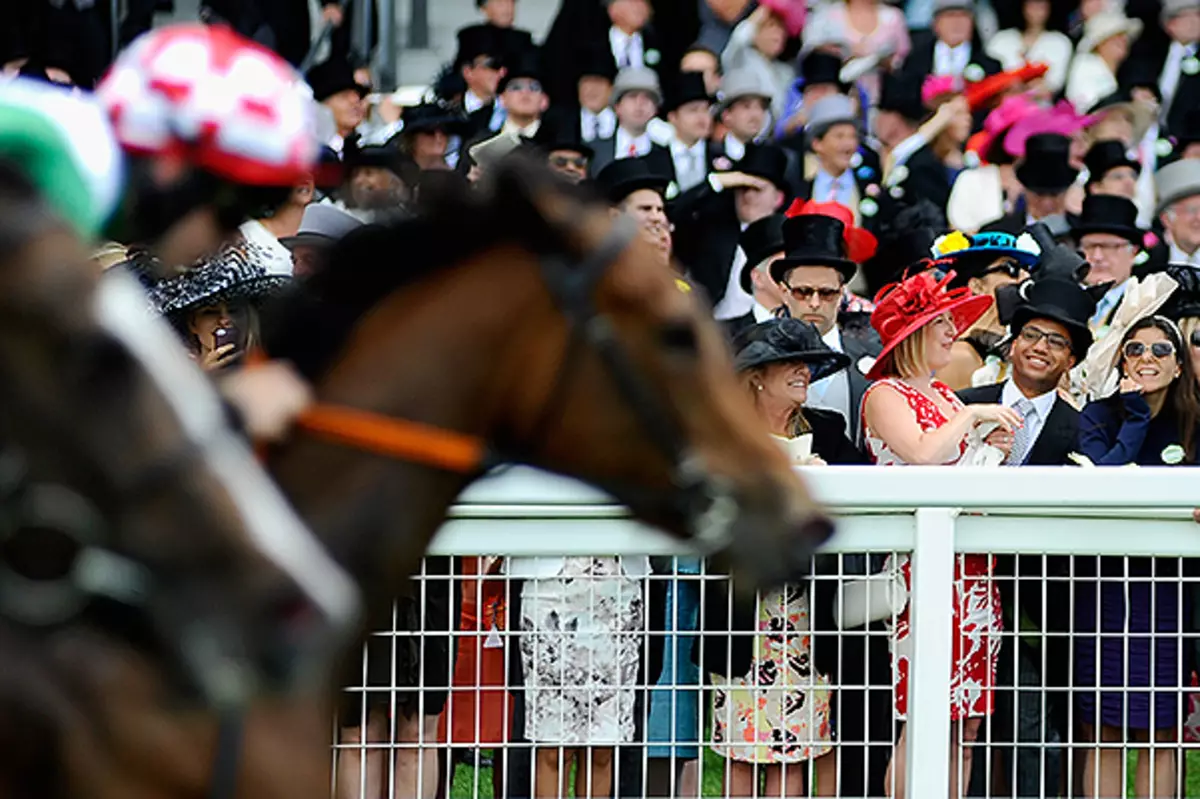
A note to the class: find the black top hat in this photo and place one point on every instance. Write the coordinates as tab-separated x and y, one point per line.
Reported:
689	87
527	64
477	40
560	132
1190	132
1105	213
759	241
597	62
1046	167
786	340
625	176
435	116
819	67
1061	301
383	156
902	95
813	240
1184	301
766	161
1106	155
333	76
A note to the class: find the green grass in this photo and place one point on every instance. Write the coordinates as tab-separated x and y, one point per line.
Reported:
465	780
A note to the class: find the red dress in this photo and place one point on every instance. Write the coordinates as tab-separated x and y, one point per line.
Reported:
977	610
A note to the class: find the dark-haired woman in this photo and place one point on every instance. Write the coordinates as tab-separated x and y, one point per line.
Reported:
1031	42
1129	630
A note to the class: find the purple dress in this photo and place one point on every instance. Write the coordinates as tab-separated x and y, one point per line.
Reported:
1128	626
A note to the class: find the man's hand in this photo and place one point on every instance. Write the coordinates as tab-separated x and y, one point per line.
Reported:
740	180
332	12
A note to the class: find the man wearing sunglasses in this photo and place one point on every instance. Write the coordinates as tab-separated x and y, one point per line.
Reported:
522	96
1049	335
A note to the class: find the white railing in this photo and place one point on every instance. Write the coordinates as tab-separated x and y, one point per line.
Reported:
933	512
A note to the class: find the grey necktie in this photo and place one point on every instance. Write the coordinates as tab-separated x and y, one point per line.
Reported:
1023	437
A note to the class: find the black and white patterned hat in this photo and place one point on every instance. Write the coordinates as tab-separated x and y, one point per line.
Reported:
236	272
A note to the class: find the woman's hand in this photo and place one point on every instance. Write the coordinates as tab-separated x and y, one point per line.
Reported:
1001	439
1008	419
218	358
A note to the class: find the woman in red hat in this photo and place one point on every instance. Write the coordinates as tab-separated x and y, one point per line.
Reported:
910	418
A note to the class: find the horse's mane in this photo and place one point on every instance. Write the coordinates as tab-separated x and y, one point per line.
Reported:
308	324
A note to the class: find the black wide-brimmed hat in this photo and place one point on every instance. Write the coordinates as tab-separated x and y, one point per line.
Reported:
813	240
759	241
236	272
428	117
819	68
689	87
786	341
1060	301
1106	155
625	176
1046	167
331	77
1106	213
766	161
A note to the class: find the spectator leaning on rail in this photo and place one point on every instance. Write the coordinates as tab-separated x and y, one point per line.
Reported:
909	417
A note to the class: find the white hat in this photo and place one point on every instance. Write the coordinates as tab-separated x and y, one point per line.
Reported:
1173	8
1104	26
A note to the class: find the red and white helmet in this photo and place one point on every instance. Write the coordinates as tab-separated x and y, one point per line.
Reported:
216	99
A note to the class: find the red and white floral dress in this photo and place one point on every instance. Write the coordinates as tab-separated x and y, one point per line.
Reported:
977	619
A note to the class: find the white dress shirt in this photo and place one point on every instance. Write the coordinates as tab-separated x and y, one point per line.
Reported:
833	392
736	302
735	150
1168	82
691	163
627	50
1035	420
949	60
627	146
1178	256
597	125
472	102
761	312
528	131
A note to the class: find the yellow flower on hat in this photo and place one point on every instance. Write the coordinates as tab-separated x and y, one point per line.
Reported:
955	241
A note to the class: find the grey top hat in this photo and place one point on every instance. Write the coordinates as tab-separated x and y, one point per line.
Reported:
637	79
1173	8
953	5
829	111
741	83
321	225
1177	181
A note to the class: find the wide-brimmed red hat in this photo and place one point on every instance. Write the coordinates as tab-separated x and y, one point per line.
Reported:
861	244
903	308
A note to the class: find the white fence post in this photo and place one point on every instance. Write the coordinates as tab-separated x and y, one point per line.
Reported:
931	607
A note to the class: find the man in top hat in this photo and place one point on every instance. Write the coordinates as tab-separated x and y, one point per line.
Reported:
761	244
812	277
745	101
1111	170
636	99
820	73
1047	174
632	187
838	167
480	60
688	157
1108	236
559	143
1179	210
320	228
334	87
597	71
898	116
952	46
522	95
710	218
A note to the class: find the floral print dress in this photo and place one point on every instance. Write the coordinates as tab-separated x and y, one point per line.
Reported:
977	609
779	711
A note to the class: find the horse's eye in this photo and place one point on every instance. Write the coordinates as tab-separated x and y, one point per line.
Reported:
678	338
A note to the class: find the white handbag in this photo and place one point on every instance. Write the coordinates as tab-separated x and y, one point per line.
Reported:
876	597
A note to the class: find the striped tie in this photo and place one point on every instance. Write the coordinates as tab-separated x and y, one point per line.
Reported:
1023	436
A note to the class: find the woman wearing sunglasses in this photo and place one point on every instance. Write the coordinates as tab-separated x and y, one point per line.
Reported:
983	262
1152	421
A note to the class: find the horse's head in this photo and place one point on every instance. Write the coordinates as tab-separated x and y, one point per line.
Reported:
620	377
126	502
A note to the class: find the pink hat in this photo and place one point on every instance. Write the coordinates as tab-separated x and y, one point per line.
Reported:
935	86
1061	119
792	12
1012	109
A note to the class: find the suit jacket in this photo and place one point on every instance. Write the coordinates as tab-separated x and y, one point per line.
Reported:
480	119
1187	91
706	237
859	342
919	62
662	162
927	179
867	176
721	652
606	152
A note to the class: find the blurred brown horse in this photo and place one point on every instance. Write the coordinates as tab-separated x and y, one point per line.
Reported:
146	561
520	324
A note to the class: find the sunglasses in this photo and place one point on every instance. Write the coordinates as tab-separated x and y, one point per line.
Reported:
1010	268
524	85
1056	343
1159	349
805	292
1194	339
564	161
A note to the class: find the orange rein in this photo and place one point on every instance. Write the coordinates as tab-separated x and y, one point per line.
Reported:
385	435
